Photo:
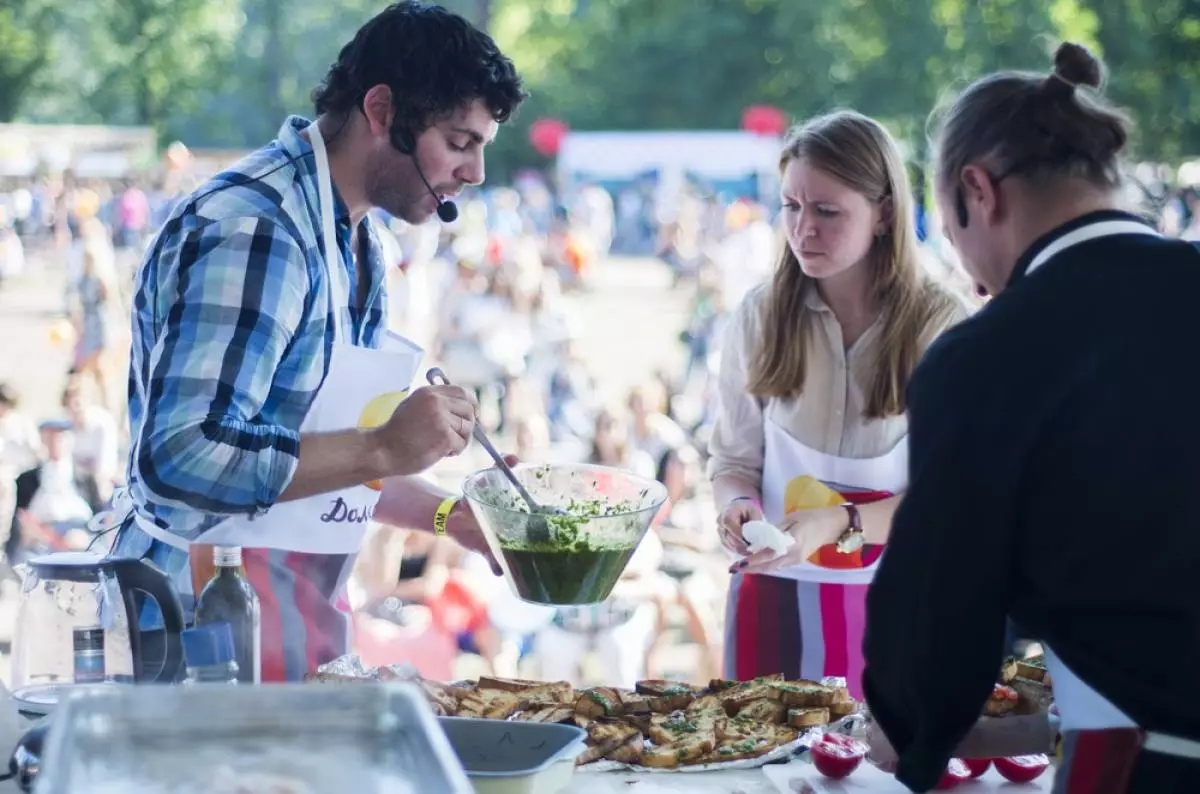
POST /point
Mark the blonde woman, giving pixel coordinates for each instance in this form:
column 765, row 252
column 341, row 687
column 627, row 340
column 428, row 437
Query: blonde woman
column 811, row 393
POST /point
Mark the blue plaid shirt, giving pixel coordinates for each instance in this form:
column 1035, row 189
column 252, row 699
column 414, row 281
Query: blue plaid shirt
column 231, row 340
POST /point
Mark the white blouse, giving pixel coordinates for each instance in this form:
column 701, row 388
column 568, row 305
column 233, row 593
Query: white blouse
column 829, row 415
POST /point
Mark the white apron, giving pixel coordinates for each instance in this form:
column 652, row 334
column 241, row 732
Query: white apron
column 785, row 458
column 360, row 389
column 807, row 620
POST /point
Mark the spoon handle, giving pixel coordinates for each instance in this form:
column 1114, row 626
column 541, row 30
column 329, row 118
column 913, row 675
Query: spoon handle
column 436, row 377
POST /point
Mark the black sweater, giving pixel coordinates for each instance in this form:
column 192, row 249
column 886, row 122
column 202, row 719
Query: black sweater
column 1054, row 443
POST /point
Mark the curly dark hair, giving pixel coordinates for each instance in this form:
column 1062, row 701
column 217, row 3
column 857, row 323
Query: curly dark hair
column 433, row 60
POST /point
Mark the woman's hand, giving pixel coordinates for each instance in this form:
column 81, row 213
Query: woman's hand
column 729, row 525
column 811, row 529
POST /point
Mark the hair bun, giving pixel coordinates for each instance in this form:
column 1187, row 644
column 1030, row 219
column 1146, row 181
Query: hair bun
column 1075, row 64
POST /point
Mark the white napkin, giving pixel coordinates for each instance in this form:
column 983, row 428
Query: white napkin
column 762, row 535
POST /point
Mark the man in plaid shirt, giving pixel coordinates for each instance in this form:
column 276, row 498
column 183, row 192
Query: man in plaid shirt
column 233, row 325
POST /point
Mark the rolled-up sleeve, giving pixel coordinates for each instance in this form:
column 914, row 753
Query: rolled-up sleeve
column 238, row 298
column 736, row 447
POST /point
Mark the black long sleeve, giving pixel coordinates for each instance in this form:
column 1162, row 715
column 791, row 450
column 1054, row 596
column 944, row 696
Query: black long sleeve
column 1054, row 457
column 936, row 610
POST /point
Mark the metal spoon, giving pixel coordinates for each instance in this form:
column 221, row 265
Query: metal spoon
column 436, row 377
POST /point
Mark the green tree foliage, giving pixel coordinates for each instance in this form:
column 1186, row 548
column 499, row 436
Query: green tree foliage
column 224, row 72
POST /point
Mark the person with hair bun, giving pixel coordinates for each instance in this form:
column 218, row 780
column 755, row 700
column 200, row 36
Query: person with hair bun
column 1053, row 453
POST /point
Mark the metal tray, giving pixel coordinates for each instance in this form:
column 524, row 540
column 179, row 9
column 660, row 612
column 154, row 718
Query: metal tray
column 216, row 738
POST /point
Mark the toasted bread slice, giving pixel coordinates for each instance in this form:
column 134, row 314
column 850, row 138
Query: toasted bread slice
column 841, row 708
column 734, row 728
column 530, row 691
column 660, row 688
column 507, row 684
column 691, row 749
column 1031, row 669
column 604, row 736
column 764, row 710
column 441, row 697
column 785, row 734
column 709, row 704
column 633, row 702
column 808, row 717
column 675, row 727
column 492, row 704
column 736, row 750
column 1008, row 670
column 630, row 752
column 664, row 697
column 547, row 714
column 721, row 684
column 599, row 702
column 639, row 721
column 804, row 694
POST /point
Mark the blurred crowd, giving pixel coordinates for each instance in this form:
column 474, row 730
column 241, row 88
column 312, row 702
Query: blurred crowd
column 490, row 298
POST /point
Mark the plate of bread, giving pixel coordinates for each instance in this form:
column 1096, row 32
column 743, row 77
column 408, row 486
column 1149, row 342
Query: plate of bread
column 658, row 725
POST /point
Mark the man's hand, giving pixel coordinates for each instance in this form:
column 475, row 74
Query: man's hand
column 432, row 423
column 465, row 529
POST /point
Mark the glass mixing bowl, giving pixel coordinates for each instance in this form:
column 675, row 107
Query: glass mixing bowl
column 564, row 560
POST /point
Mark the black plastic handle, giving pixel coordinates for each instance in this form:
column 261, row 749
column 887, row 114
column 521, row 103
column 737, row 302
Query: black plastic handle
column 133, row 575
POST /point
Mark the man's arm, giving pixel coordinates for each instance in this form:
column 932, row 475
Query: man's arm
column 242, row 287
column 240, row 290
column 936, row 609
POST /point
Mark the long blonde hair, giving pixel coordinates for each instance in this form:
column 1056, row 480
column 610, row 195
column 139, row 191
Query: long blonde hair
column 858, row 152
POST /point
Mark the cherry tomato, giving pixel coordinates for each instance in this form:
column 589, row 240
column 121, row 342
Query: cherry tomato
column 837, row 755
column 1022, row 768
column 956, row 772
column 977, row 766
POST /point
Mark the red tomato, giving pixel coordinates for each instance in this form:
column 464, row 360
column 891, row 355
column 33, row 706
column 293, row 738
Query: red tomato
column 956, row 772
column 1022, row 768
column 977, row 766
column 836, row 755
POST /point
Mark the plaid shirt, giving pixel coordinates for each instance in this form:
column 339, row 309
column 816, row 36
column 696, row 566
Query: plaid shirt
column 231, row 340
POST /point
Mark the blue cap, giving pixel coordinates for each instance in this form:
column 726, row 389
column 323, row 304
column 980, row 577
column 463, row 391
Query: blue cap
column 204, row 646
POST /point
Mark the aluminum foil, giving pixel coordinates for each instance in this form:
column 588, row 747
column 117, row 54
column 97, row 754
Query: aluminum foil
column 351, row 666
column 780, row 753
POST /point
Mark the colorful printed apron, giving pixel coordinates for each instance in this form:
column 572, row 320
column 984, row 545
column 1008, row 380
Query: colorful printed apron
column 299, row 554
column 807, row 621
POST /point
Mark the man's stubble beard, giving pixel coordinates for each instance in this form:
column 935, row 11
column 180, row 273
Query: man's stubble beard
column 395, row 187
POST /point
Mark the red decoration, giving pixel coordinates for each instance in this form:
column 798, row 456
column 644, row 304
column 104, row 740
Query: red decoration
column 764, row 120
column 547, row 135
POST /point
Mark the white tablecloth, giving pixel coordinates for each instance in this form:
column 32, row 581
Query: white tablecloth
column 782, row 779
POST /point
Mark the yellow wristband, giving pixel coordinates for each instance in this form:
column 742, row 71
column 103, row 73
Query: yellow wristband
column 442, row 515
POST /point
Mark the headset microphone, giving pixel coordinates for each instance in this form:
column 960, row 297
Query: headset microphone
column 447, row 211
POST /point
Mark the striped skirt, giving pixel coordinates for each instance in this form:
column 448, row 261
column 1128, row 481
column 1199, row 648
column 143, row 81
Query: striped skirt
column 800, row 629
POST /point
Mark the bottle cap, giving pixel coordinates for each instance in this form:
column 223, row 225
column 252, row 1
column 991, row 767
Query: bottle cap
column 207, row 645
column 227, row 556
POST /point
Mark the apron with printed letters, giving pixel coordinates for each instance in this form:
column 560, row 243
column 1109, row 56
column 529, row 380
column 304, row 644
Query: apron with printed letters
column 299, row 554
column 806, row 621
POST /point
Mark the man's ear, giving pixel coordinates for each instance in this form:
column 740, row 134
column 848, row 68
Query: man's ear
column 981, row 191
column 378, row 110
